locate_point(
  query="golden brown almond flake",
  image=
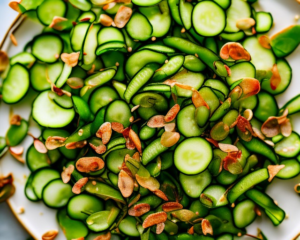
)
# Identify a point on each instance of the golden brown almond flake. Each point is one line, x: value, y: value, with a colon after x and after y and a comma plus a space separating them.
x: 235, y: 51
x: 15, y: 5
x: 13, y: 39
x: 169, y: 139
x: 39, y: 146
x: 106, y: 20
x: 105, y: 132
x: 139, y: 209
x: 191, y: 231
x: 17, y: 153
x: 117, y: 127
x: 129, y: 144
x: 198, y: 100
x: 160, y: 228
x: 161, y: 194
x: 50, y: 235
x: 170, y: 127
x: 125, y: 184
x: 136, y: 156
x: 79, y: 185
x: 55, y: 142
x: 206, y: 227
x: 71, y: 59
x: 257, y: 211
x: 89, y: 164
x: 171, y: 206
x: 276, y: 78
x: 286, y: 128
x: 157, y: 121
x: 245, y: 23
x: 4, y: 61
x: 56, y: 23
x: 154, y: 219
x: 15, y: 120
x: 67, y: 173
x: 148, y: 182
x: 172, y: 113
x: 273, y: 170
x: 228, y: 148
x: 264, y: 41
x: 136, y: 140
x: 75, y: 145
x: 104, y: 236
x: 122, y: 16
x: 98, y: 149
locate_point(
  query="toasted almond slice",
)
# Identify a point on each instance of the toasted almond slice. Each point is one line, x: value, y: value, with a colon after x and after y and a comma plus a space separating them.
x: 271, y: 127
x: 125, y: 184
x: 161, y: 194
x: 206, y: 227
x: 198, y: 100
x: 71, y: 59
x: 234, y: 51
x: 117, y: 127
x: 129, y: 144
x: 276, y: 78
x: 248, y: 114
x: 122, y: 17
x: 157, y: 121
x: 13, y: 39
x: 4, y: 61
x: 109, y: 6
x: 213, y: 142
x: 104, y: 132
x: 273, y: 170
x: 171, y: 206
x: 75, y: 82
x: 250, y: 87
x: 244, y: 125
x: 57, y: 90
x: 286, y: 128
x: 15, y: 5
x: 136, y: 140
x: 15, y: 120
x: 75, y: 145
x: 136, y: 156
x: 172, y: 113
x: 55, y: 24
x: 55, y: 142
x: 245, y: 23
x: 169, y: 139
x: 191, y: 231
x: 148, y: 182
x: 98, y: 149
x: 39, y: 146
x: 105, y: 236
x: 264, y: 41
x: 106, y: 20
x: 155, y: 218
x: 160, y: 228
x: 17, y: 152
x: 228, y: 148
x: 50, y: 235
x: 228, y: 70
x: 270, y: 143
x: 66, y: 173
x: 4, y: 180
x: 135, y: 108
x: 79, y: 185
x: 89, y: 164
x: 258, y: 133
x: 170, y: 127
x: 139, y: 209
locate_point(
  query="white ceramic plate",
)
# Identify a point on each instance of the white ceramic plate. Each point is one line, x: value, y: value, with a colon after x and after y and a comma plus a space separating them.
x: 38, y: 219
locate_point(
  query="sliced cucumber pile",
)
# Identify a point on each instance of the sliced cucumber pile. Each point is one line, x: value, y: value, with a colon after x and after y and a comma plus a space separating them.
x: 158, y: 117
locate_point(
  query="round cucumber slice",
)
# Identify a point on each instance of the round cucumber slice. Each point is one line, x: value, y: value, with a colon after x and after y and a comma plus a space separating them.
x: 208, y: 19
x: 192, y: 156
x: 139, y: 27
x: 49, y: 9
x: 244, y: 213
x: 48, y: 114
x: 36, y: 160
x: 128, y: 227
x: 118, y: 111
x: 288, y: 147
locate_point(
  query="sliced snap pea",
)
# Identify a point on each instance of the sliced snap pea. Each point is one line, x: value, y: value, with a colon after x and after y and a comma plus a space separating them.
x: 154, y: 149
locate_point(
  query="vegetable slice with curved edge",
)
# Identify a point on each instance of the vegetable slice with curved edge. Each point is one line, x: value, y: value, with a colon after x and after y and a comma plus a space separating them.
x: 118, y: 111
x: 49, y: 9
x: 16, y: 133
x: 192, y: 156
x: 49, y: 114
x: 288, y: 147
x: 128, y: 226
x: 244, y: 213
x: 139, y: 27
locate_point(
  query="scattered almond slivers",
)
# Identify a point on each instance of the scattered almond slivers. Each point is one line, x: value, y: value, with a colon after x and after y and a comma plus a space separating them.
x: 148, y: 182
x: 161, y: 194
x: 106, y: 20
x: 170, y: 127
x: 235, y: 51
x: 39, y: 146
x: 198, y: 100
x: 75, y: 145
x: 55, y: 142
x: 139, y: 209
x: 4, y: 61
x: 104, y: 132
x: 55, y: 24
x: 17, y: 153
x: 160, y: 228
x: 276, y: 78
x: 71, y: 59
x: 66, y: 173
x: 191, y: 231
x: 250, y: 87
x: 135, y: 108
x: 157, y: 121
x: 125, y: 183
x: 264, y: 41
x: 50, y: 235
x: 105, y: 236
x: 273, y: 170
x: 228, y: 148
x: 245, y: 23
x: 171, y: 206
x: 79, y: 185
x: 135, y: 140
x: 98, y: 149
x: 15, y: 120
x: 206, y: 227
x: 15, y: 5
x: 13, y: 39
x: 154, y: 219
x: 169, y: 139
x: 122, y: 16
x: 172, y: 113
x: 89, y: 164
x: 117, y: 127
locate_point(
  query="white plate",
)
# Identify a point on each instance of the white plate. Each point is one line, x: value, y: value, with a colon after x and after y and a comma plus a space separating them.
x: 38, y: 219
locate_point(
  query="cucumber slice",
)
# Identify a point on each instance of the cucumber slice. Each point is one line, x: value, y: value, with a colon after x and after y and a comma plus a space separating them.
x: 83, y: 5
x: 154, y: 149
x: 139, y: 27
x: 41, y: 178
x: 110, y: 34
x: 115, y: 159
x: 244, y: 213
x: 264, y: 22
x: 128, y: 226
x: 90, y: 45
x: 215, y: 193
x: 111, y: 46
x: 185, y: 10
x: 159, y: 17
x: 208, y: 19
x: 241, y: 70
x: 49, y: 114
x: 28, y: 190
x: 36, y: 160
x: 292, y: 105
x: 217, y: 85
x: 78, y: 36
x: 233, y: 37
x: 145, y: 3
x: 267, y: 106
x: 174, y: 8
x: 100, y: 78
x: 193, y: 156
x: 114, y: 58
x: 16, y: 84
x: 63, y: 101
x: 118, y: 111
x: 223, y: 4
x: 193, y: 63
x: 291, y: 169
x: 49, y: 9
x: 46, y: 47
x: 24, y: 58
x: 288, y: 147
x: 56, y: 194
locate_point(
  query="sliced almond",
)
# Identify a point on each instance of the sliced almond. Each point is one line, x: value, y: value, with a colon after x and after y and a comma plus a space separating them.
x: 106, y: 20
x: 248, y: 114
x: 135, y: 108
x: 264, y: 41
x: 89, y: 164
x: 161, y: 195
x: 244, y: 125
x: 148, y: 182
x: 15, y: 120
x: 228, y: 70
x: 98, y: 149
x: 50, y: 235
x: 171, y: 206
x: 117, y: 127
x: 104, y: 236
x: 109, y: 6
x: 250, y: 87
x: 169, y: 139
x: 56, y: 23
x: 136, y: 156
x: 276, y: 78
x: 13, y: 39
x: 77, y: 188
x: 245, y: 23
x: 155, y: 218
x: 125, y: 184
x: 258, y: 133
x: 4, y: 61
x: 191, y: 231
x: 55, y: 142
x: 157, y: 121
x: 160, y: 228
x: 104, y: 132
x: 75, y: 145
x: 172, y: 113
x: 234, y: 51
x: 139, y: 209
x: 39, y: 146
x: 71, y: 59
x: 75, y: 82
x: 271, y: 127
x: 122, y: 17
x: 136, y: 140
x: 198, y: 100
x: 17, y: 152
x: 228, y: 148
x: 170, y: 127
x: 206, y: 227
x: 130, y: 144
x: 213, y: 142
x: 273, y: 170
x: 286, y: 128
x: 15, y: 5
x: 67, y: 173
